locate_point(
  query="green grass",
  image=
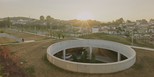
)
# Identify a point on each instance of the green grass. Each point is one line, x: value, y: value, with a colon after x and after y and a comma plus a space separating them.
x: 115, y: 38
x: 103, y: 36
x: 30, y: 70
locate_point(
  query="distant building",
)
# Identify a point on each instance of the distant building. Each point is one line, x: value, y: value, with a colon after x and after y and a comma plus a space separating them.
x: 95, y: 29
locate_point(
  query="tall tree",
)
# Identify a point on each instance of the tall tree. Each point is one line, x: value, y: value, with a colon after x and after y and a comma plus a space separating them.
x: 42, y: 18
x: 49, y: 20
x: 8, y: 22
x: 128, y: 21
x: 144, y: 21
x: 119, y: 21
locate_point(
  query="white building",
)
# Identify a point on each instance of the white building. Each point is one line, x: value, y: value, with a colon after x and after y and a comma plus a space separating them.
x: 95, y: 29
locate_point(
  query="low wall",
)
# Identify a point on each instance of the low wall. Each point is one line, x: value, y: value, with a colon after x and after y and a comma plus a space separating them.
x: 92, y: 67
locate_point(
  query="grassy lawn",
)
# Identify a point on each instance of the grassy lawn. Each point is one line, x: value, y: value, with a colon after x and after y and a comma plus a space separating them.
x: 26, y: 36
x: 4, y: 40
x: 115, y: 38
x: 103, y: 36
x: 33, y: 55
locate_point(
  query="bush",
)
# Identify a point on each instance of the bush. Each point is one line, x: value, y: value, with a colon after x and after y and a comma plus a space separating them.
x: 74, y: 58
x: 1, y: 31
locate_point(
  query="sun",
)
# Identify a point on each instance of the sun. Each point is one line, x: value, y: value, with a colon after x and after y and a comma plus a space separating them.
x: 85, y: 16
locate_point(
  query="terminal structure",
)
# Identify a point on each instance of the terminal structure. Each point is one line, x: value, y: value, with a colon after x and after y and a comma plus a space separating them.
x: 96, y: 68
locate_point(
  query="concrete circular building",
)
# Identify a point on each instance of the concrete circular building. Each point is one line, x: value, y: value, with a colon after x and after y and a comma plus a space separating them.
x: 117, y: 66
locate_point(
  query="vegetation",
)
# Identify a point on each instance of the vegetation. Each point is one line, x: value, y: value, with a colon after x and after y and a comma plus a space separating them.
x: 1, y: 31
x: 84, y: 58
x: 103, y: 36
x: 117, y: 38
x: 25, y: 36
x: 10, y: 64
x: 35, y: 54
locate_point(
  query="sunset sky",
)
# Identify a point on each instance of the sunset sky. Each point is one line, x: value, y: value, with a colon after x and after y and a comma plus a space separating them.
x: 103, y: 10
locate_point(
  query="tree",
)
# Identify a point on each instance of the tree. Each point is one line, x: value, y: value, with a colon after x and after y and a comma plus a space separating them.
x: 151, y: 20
x: 9, y: 22
x: 144, y: 21
x: 119, y: 21
x: 128, y: 21
x: 42, y: 18
x: 84, y: 56
x: 74, y: 56
x: 48, y: 20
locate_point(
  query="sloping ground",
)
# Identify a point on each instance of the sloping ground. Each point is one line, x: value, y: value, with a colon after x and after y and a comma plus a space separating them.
x: 4, y: 40
x: 26, y: 36
x: 115, y: 38
x: 103, y: 36
x: 9, y: 64
x: 34, y: 54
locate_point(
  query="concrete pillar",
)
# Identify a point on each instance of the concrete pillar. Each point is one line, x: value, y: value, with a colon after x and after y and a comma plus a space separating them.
x: 64, y: 54
x: 90, y: 52
x: 119, y: 57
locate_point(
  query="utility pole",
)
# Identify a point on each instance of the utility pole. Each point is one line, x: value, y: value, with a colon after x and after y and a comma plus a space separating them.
x: 132, y: 37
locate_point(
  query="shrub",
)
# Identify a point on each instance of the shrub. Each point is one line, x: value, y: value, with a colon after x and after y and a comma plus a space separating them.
x: 1, y: 31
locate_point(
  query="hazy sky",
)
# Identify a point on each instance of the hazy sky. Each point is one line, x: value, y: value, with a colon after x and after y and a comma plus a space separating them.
x: 103, y: 10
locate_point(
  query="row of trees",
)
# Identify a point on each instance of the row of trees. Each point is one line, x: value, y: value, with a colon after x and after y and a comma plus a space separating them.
x: 48, y: 19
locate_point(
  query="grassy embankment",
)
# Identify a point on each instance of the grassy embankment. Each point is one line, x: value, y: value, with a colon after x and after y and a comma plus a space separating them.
x: 115, y: 38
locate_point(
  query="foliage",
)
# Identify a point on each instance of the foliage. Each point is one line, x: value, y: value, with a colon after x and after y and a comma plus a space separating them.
x: 74, y: 57
x: 42, y: 18
x: 84, y: 56
x: 10, y: 63
x: 4, y: 53
x: 1, y: 31
x: 93, y: 58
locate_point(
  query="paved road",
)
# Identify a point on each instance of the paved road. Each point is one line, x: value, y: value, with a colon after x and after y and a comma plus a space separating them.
x: 145, y: 48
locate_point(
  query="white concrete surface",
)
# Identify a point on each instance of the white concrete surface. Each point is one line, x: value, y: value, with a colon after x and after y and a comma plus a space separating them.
x: 144, y: 48
x: 92, y: 67
x: 119, y: 57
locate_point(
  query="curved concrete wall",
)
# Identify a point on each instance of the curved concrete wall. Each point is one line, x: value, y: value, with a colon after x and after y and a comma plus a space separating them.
x: 92, y: 67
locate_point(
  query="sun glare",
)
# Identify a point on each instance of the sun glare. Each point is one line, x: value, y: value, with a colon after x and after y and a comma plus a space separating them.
x: 85, y: 16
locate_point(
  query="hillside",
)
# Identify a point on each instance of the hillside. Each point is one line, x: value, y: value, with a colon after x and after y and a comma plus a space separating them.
x: 115, y: 38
